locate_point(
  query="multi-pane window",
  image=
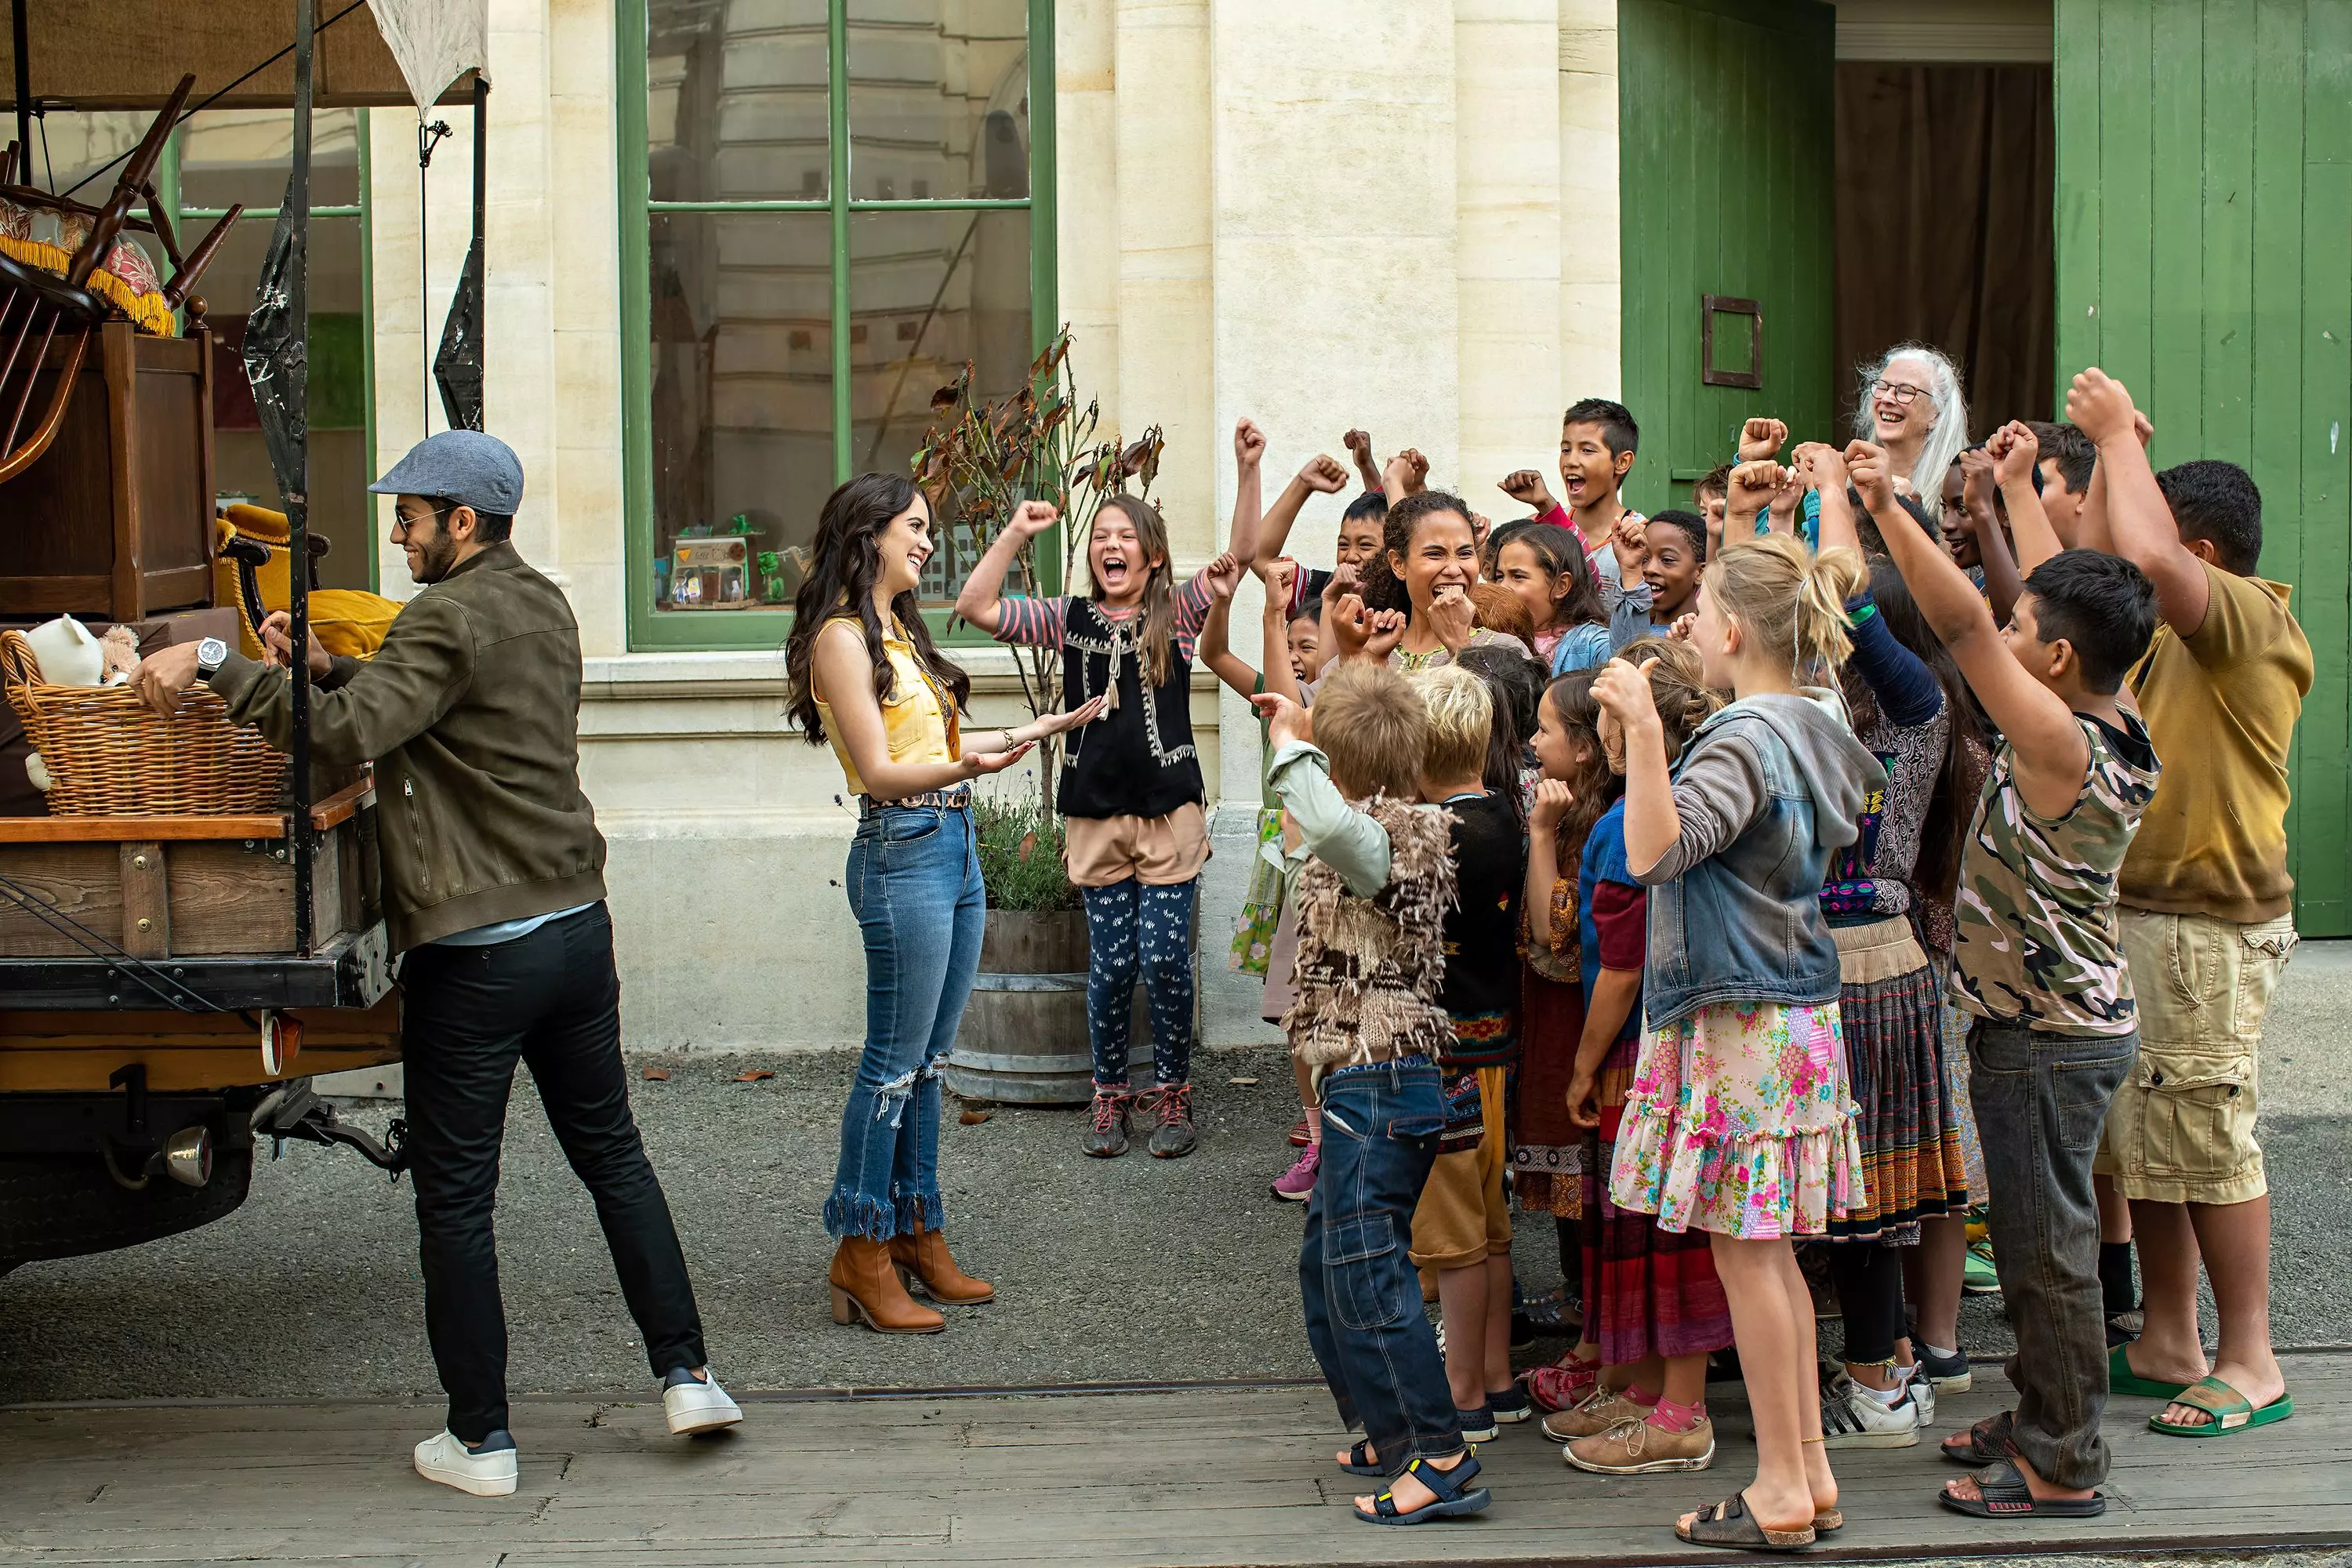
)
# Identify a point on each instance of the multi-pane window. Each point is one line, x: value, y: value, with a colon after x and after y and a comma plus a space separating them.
x: 836, y: 210
x: 219, y: 158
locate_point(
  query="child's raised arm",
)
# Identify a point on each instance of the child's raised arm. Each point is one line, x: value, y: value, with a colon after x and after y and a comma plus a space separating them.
x: 1322, y: 476
x: 2052, y: 756
x: 1652, y: 823
x: 1276, y: 677
x: 981, y: 601
x: 1360, y: 447
x: 2137, y: 517
x: 2015, y: 450
x: 1249, y: 497
x: 1216, y: 648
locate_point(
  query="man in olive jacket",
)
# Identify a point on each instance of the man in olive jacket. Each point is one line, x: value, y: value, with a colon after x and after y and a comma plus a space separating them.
x: 493, y: 891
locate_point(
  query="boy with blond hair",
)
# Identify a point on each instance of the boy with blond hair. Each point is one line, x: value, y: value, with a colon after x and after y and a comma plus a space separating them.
x: 1374, y: 881
x: 1462, y: 1229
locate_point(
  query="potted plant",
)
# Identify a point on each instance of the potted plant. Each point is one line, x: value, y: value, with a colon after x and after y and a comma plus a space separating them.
x: 1023, y: 1037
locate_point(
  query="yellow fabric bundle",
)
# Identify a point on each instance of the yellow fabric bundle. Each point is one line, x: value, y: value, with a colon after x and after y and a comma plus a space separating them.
x: 348, y: 621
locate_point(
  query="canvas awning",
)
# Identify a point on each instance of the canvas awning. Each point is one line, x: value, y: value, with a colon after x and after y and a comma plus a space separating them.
x: 131, y: 54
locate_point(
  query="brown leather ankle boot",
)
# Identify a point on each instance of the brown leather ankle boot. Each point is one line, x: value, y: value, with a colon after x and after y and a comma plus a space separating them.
x: 924, y: 1257
x: 865, y: 1285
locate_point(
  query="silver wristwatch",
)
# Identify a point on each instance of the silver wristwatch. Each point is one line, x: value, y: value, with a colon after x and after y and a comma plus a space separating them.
x: 211, y: 654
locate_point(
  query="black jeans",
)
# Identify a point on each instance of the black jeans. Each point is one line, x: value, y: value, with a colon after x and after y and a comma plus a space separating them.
x: 469, y: 1014
x: 2040, y: 1103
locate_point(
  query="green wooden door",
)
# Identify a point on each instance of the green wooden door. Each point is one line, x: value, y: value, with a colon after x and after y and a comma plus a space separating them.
x: 1724, y: 125
x: 2205, y: 259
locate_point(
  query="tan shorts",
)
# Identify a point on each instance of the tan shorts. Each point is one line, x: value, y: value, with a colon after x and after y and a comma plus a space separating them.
x: 1462, y: 1220
x: 1160, y: 851
x: 2182, y: 1127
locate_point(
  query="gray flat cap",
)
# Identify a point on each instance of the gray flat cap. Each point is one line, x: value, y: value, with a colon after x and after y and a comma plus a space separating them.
x: 463, y: 465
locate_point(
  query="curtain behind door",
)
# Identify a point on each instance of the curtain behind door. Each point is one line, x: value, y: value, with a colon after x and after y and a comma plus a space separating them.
x: 1945, y: 177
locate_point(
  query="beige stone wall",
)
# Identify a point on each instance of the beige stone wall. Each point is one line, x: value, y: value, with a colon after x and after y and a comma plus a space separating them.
x: 1397, y: 213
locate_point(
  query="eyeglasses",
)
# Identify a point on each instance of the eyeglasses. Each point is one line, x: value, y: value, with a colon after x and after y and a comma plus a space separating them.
x: 1900, y: 392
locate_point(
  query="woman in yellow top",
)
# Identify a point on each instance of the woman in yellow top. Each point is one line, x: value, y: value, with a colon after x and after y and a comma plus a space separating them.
x: 865, y: 676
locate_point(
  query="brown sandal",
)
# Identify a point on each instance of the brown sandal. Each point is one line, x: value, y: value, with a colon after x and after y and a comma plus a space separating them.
x: 1729, y: 1524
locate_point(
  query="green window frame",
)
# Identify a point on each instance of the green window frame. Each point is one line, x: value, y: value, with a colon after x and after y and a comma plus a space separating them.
x: 167, y: 185
x: 648, y: 628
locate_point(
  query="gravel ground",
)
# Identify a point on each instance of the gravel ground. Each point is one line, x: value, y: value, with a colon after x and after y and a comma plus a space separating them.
x: 1135, y: 1269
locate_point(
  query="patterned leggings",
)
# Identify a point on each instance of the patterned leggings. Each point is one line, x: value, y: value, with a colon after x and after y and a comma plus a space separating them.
x: 1130, y: 926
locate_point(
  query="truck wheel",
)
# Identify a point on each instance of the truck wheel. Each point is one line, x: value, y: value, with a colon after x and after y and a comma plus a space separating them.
x: 63, y: 1205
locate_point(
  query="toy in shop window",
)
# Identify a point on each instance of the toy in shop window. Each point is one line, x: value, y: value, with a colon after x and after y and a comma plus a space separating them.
x: 710, y: 574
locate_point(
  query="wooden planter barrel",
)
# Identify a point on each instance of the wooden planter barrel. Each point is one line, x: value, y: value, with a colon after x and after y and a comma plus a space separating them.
x: 1023, y: 1035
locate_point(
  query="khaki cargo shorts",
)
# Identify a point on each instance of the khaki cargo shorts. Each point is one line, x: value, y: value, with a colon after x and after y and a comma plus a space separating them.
x: 1463, y: 1217
x: 2182, y: 1127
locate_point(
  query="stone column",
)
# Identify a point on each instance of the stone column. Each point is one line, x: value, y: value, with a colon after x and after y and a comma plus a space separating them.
x: 1590, y: 297
x: 1509, y: 251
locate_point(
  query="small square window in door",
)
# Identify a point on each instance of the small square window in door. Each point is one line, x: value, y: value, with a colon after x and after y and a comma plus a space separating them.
x: 1731, y: 342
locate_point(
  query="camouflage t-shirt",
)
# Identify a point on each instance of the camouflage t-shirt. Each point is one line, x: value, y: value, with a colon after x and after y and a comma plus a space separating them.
x: 2038, y: 943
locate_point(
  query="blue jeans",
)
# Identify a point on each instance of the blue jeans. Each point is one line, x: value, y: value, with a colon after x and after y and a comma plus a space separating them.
x: 2040, y: 1103
x: 1131, y: 928
x: 914, y: 883
x: 1364, y: 1316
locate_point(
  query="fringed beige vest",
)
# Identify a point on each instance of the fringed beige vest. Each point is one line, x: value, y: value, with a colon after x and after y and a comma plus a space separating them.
x: 1369, y: 971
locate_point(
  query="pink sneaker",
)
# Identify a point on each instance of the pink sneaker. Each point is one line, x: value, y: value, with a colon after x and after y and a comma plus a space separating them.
x: 1296, y: 1185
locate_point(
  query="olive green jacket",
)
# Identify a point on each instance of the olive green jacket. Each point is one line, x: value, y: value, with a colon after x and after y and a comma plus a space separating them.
x: 471, y: 711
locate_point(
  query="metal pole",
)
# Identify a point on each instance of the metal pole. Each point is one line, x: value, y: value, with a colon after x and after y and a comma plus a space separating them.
x: 298, y: 505
x: 24, y: 94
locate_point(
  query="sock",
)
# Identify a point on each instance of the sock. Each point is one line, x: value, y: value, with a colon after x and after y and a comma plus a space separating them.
x: 1640, y: 1395
x: 1886, y: 1397
x: 2115, y: 1276
x: 1672, y: 1417
x: 1938, y: 1352
x: 1314, y: 1124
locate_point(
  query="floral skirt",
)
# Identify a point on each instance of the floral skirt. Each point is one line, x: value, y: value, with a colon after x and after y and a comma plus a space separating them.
x: 1912, y: 1167
x: 1739, y: 1123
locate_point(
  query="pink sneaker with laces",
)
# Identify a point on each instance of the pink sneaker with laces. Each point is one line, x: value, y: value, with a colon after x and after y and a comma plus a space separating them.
x: 1296, y: 1185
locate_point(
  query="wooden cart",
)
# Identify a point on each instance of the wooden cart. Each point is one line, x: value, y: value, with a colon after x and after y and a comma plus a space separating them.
x: 170, y: 984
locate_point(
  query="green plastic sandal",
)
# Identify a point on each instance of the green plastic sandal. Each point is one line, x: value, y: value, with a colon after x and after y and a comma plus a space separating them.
x: 2122, y: 1379
x: 2231, y: 1410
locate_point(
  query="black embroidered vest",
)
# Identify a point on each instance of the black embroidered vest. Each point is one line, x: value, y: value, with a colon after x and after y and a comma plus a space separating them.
x: 1138, y: 760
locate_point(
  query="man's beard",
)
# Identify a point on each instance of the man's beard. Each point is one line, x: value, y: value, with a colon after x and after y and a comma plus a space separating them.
x: 434, y: 558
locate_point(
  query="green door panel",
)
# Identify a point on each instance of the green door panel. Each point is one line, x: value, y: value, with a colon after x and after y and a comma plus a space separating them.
x: 2204, y: 231
x: 1726, y: 159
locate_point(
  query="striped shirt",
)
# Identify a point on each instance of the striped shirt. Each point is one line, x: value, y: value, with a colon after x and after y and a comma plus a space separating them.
x: 1038, y: 623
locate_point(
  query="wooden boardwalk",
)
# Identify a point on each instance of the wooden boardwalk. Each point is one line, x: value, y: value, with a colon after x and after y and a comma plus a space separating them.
x: 1191, y: 1476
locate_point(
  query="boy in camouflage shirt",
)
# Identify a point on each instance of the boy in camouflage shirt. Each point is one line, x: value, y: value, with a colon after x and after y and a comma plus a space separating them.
x: 2039, y: 962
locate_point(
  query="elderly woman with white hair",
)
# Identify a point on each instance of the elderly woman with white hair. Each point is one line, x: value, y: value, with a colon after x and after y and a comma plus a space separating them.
x: 1911, y: 405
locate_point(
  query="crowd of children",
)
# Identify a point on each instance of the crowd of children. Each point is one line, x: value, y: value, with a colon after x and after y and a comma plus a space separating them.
x: 1758, y: 879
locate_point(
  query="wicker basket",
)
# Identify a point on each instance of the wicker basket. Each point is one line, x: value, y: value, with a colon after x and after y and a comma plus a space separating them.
x: 109, y: 755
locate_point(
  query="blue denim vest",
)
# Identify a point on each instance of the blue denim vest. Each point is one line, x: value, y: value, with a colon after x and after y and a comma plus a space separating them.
x: 1746, y: 924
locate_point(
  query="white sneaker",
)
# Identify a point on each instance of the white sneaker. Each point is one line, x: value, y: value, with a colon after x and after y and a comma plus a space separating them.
x: 1923, y: 1392
x: 1851, y: 1418
x: 697, y: 1403
x: 485, y: 1470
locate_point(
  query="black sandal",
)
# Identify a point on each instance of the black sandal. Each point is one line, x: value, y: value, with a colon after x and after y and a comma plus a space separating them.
x: 1360, y: 1462
x: 1989, y: 1442
x: 1455, y: 1496
x: 1728, y: 1523
x: 2001, y: 1493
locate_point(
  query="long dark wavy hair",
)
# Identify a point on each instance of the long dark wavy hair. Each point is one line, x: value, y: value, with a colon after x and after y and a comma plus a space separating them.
x: 840, y: 582
x: 1953, y: 801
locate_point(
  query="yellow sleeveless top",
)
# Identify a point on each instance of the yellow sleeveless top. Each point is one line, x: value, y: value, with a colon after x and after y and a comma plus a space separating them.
x: 919, y: 718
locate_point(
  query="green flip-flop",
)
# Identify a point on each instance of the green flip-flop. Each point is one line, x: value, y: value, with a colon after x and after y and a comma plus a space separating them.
x: 2122, y: 1379
x: 2231, y: 1410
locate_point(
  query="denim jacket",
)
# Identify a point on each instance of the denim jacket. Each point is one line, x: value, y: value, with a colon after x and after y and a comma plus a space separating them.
x: 1744, y: 923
